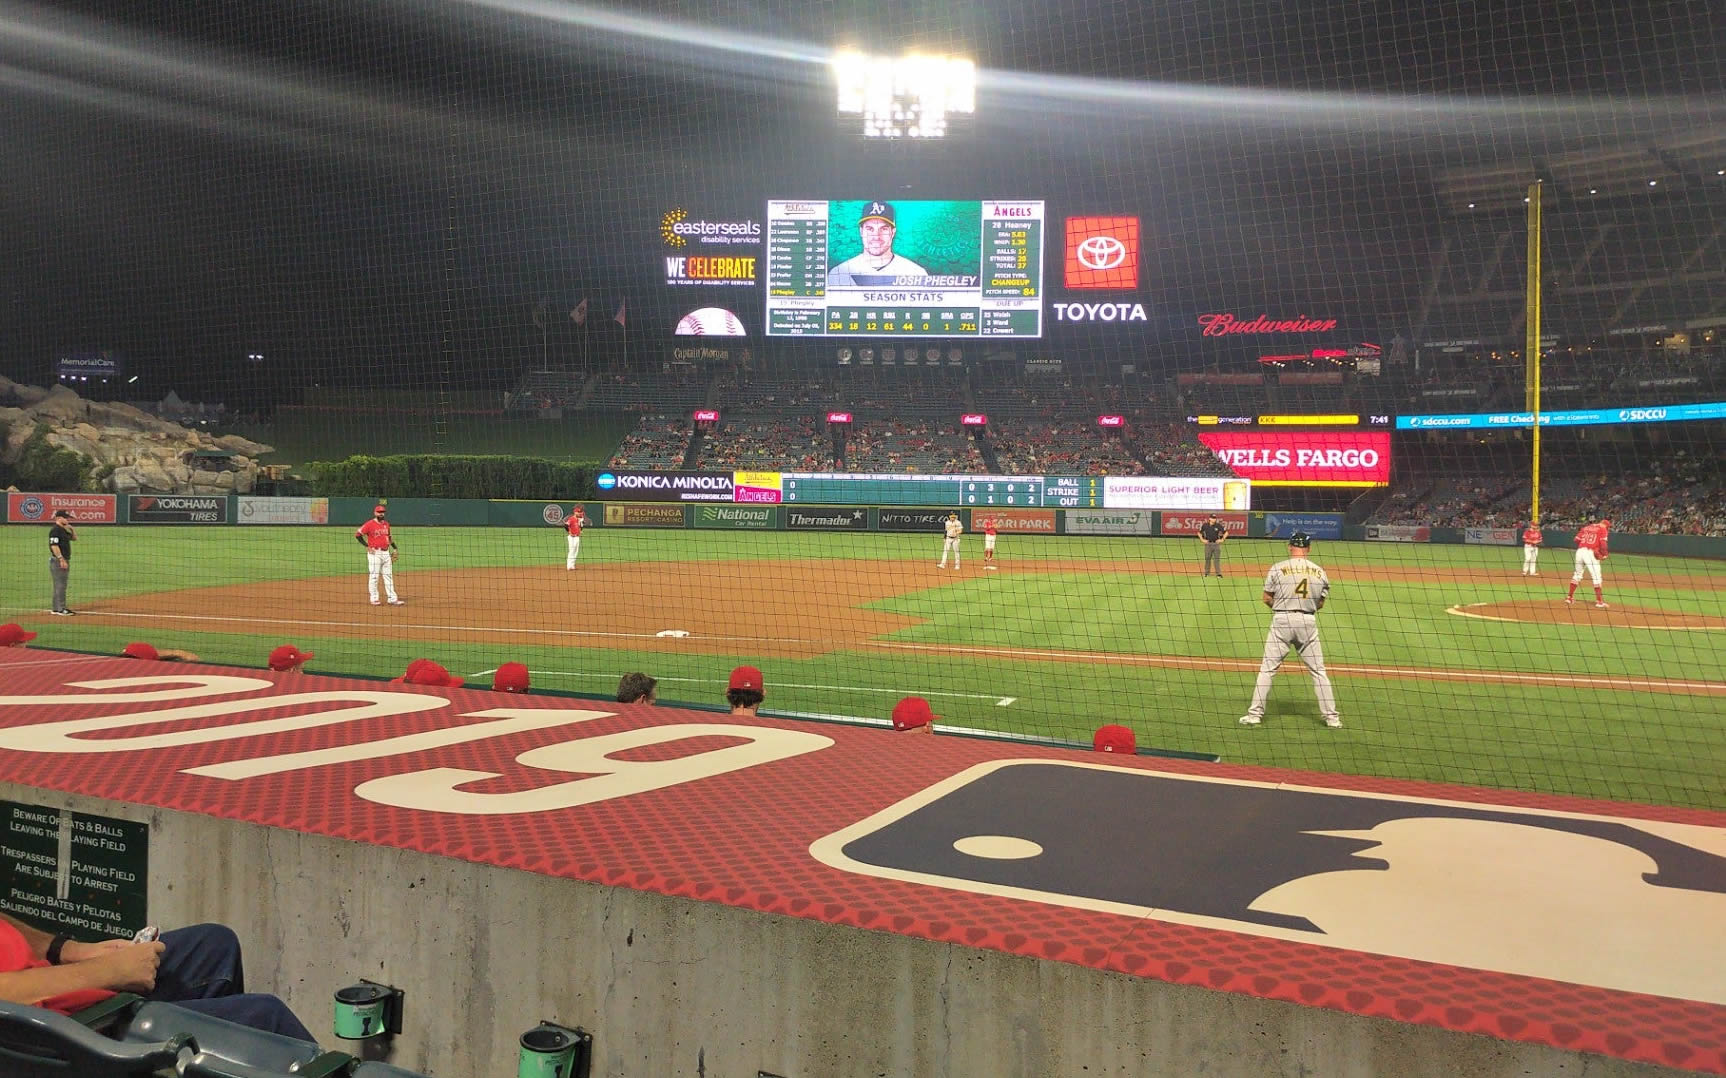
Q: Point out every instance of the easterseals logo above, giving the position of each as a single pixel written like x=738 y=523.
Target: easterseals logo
x=1102 y=253
x=677 y=229
x=606 y=481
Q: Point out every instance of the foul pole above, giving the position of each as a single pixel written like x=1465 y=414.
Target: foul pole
x=1531 y=348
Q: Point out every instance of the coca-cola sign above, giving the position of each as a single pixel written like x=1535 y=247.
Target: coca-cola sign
x=838 y=417
x=707 y=415
x=1111 y=421
x=1227 y=325
x=973 y=419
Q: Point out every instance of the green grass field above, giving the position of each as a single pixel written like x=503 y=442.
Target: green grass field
x=1072 y=633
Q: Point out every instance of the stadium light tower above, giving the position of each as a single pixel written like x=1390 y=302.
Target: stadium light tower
x=906 y=96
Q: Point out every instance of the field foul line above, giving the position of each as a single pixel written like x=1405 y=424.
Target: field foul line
x=436 y=628
x=1000 y=701
x=1464 y=612
x=1167 y=661
x=1231 y=665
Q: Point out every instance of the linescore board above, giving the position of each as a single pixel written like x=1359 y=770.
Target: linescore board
x=904 y=269
x=1001 y=491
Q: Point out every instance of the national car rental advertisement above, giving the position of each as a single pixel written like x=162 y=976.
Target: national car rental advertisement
x=1304 y=458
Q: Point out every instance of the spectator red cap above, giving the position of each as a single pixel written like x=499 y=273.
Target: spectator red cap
x=140 y=651
x=12 y=634
x=287 y=657
x=510 y=677
x=911 y=713
x=746 y=677
x=1114 y=738
x=426 y=672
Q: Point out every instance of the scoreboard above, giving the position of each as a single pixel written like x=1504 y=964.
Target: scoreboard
x=955 y=491
x=958 y=269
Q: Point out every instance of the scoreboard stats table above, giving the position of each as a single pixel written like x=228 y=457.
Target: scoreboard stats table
x=982 y=262
x=957 y=491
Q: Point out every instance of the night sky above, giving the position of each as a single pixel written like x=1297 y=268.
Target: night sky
x=380 y=192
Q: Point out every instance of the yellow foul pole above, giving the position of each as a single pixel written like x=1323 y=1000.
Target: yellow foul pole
x=1531 y=349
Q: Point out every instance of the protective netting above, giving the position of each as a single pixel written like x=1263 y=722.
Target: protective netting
x=605 y=244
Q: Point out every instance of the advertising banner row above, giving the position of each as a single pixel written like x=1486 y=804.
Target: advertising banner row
x=424 y=512
x=1143 y=522
x=166 y=509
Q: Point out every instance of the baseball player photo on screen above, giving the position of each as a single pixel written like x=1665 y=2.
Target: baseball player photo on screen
x=907 y=268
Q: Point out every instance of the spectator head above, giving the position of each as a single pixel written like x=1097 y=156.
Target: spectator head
x=914 y=713
x=746 y=689
x=288 y=657
x=13 y=635
x=426 y=672
x=637 y=688
x=1114 y=738
x=140 y=650
x=510 y=677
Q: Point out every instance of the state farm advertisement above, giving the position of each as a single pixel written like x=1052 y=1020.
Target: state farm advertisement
x=1304 y=458
x=1190 y=523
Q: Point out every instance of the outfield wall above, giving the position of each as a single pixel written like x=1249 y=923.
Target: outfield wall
x=197 y=510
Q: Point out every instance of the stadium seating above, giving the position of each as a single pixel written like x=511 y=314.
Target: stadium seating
x=37 y=1043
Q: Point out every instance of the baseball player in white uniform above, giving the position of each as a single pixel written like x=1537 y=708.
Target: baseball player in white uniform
x=877 y=266
x=953 y=529
x=1295 y=589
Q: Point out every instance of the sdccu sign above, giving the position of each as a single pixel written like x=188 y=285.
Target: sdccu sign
x=665 y=486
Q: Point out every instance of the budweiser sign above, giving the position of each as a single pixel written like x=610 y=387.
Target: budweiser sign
x=1227 y=325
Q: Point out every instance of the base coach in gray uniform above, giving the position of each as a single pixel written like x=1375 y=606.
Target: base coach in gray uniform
x=1295 y=589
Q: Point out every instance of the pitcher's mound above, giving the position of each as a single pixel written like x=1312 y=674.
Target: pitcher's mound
x=1616 y=616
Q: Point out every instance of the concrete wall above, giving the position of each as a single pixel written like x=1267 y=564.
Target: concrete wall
x=673 y=988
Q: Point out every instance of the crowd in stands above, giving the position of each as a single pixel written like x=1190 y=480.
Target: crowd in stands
x=1658 y=490
x=659 y=443
x=1030 y=447
x=801 y=443
x=1174 y=449
x=912 y=446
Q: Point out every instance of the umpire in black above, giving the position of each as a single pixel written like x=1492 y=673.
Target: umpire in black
x=1213 y=532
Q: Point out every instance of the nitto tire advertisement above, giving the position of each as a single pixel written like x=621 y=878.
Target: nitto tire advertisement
x=177 y=509
x=914 y=520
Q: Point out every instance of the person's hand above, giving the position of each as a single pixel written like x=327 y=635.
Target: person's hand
x=74 y=951
x=64 y=564
x=393 y=554
x=132 y=968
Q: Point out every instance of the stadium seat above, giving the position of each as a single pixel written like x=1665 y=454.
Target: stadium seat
x=37 y=1043
x=220 y=1043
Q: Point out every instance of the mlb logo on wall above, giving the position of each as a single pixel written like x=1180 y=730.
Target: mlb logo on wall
x=1102 y=253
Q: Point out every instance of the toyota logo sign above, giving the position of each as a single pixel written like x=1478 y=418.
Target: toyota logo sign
x=1102 y=253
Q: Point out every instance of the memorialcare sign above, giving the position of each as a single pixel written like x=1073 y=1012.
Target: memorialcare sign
x=1304 y=458
x=176 y=509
